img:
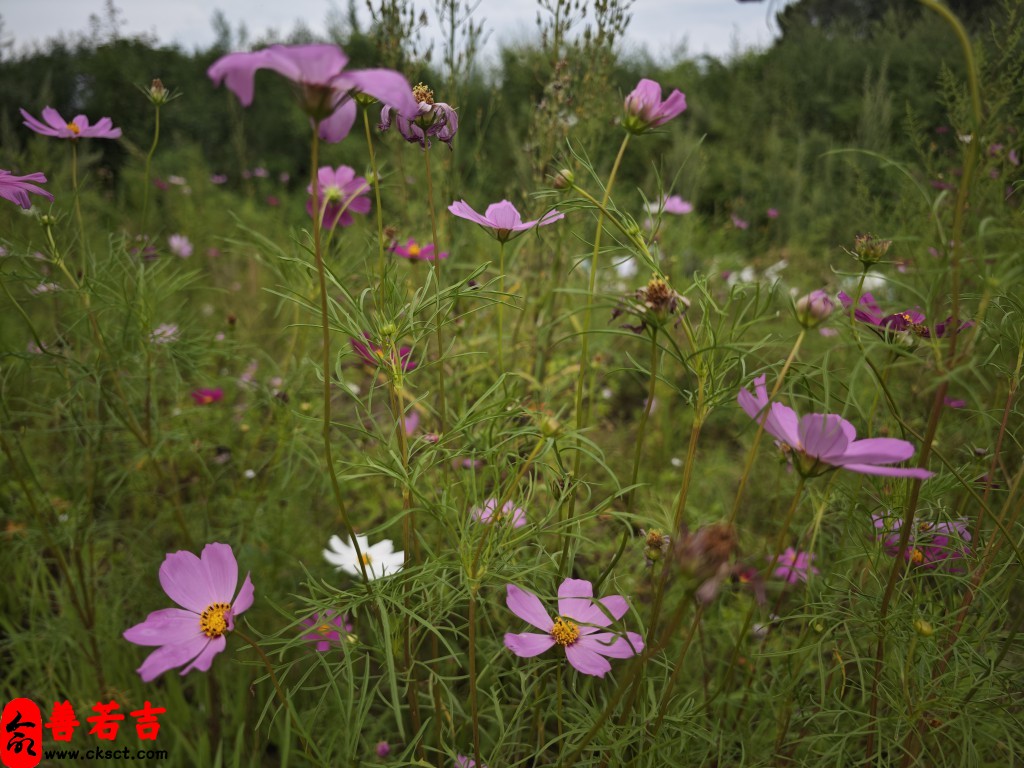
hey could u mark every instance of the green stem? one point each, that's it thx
(435, 265)
(501, 306)
(149, 160)
(376, 193)
(78, 204)
(326, 327)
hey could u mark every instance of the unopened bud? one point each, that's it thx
(813, 308)
(923, 628)
(868, 249)
(564, 179)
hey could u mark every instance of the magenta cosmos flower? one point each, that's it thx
(822, 441)
(341, 194)
(510, 513)
(207, 396)
(645, 108)
(579, 627)
(55, 125)
(429, 119)
(910, 321)
(373, 354)
(204, 587)
(416, 252)
(793, 566)
(326, 628)
(326, 89)
(502, 219)
(931, 545)
(16, 188)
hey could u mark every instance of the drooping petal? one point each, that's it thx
(783, 424)
(877, 450)
(170, 656)
(203, 661)
(336, 127)
(527, 644)
(463, 210)
(167, 626)
(312, 64)
(586, 659)
(527, 607)
(385, 85)
(245, 598)
(186, 581)
(38, 126)
(238, 72)
(56, 121)
(222, 569)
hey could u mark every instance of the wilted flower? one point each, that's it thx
(706, 556)
(380, 559)
(819, 442)
(510, 513)
(579, 627)
(794, 566)
(164, 333)
(416, 252)
(207, 396)
(341, 194)
(502, 219)
(373, 354)
(180, 245)
(326, 89)
(16, 188)
(429, 119)
(899, 324)
(79, 128)
(656, 545)
(204, 587)
(654, 304)
(645, 108)
(326, 629)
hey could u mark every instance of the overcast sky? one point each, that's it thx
(716, 27)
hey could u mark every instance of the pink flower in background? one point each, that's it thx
(579, 627)
(16, 188)
(794, 566)
(204, 587)
(645, 108)
(510, 513)
(823, 441)
(672, 204)
(180, 246)
(429, 119)
(165, 333)
(383, 749)
(326, 89)
(411, 422)
(326, 629)
(462, 761)
(772, 213)
(930, 545)
(502, 219)
(738, 222)
(908, 321)
(416, 252)
(207, 396)
(341, 194)
(79, 128)
(373, 354)
(218, 179)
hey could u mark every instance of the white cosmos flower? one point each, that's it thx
(380, 559)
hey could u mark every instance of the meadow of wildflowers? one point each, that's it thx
(627, 474)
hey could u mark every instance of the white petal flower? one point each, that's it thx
(380, 559)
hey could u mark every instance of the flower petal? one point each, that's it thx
(870, 469)
(527, 607)
(586, 659)
(222, 571)
(527, 644)
(822, 436)
(385, 85)
(613, 645)
(203, 661)
(186, 581)
(337, 126)
(877, 450)
(783, 424)
(170, 656)
(503, 215)
(167, 626)
(245, 598)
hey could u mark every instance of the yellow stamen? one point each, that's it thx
(74, 128)
(422, 94)
(366, 558)
(917, 557)
(213, 620)
(324, 629)
(565, 632)
(414, 250)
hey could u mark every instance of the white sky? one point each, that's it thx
(716, 27)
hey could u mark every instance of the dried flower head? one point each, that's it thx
(654, 305)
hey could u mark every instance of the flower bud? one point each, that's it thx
(923, 628)
(813, 308)
(868, 249)
(564, 179)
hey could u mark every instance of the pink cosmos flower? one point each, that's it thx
(645, 108)
(509, 513)
(930, 545)
(326, 89)
(165, 333)
(502, 219)
(79, 128)
(207, 396)
(579, 627)
(180, 245)
(204, 587)
(822, 441)
(772, 213)
(416, 252)
(326, 629)
(16, 188)
(383, 749)
(341, 194)
(463, 761)
(429, 119)
(373, 354)
(795, 566)
(739, 223)
(910, 321)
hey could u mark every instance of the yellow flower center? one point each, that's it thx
(414, 250)
(213, 621)
(564, 632)
(917, 557)
(74, 128)
(324, 629)
(367, 559)
(422, 94)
